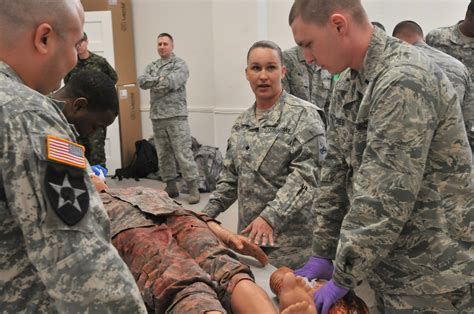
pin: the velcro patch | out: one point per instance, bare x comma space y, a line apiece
66, 152
67, 192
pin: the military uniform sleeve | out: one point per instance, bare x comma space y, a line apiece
177, 77
467, 107
226, 190
78, 266
399, 131
289, 68
331, 202
308, 151
147, 80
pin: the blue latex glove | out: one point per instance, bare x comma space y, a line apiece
327, 295
316, 268
99, 171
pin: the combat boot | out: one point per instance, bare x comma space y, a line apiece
193, 192
172, 189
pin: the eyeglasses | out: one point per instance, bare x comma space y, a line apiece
79, 44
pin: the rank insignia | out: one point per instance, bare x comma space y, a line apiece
66, 152
67, 192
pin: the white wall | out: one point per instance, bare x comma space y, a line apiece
213, 37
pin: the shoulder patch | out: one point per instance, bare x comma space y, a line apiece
66, 152
67, 192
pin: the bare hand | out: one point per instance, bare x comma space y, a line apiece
259, 231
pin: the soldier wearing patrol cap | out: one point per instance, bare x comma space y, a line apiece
56, 251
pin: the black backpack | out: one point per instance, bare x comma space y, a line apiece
144, 162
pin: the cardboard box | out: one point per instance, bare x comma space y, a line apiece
129, 120
122, 28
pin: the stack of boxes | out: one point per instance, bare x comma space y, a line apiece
127, 89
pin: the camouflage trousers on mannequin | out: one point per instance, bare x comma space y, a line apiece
180, 266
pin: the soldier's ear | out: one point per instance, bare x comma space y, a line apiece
283, 71
41, 38
80, 104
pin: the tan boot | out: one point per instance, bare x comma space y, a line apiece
172, 189
194, 195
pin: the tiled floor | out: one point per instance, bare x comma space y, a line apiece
229, 221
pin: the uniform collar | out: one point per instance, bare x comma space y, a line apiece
374, 57
373, 61
455, 35
172, 57
269, 118
8, 71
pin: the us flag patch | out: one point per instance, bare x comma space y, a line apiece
66, 152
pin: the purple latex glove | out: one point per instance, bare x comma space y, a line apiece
327, 295
316, 268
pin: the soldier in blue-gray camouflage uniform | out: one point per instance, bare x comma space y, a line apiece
457, 72
56, 255
166, 79
396, 202
272, 163
457, 40
306, 81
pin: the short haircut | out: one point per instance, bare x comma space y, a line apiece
470, 7
96, 87
379, 25
166, 35
84, 37
17, 16
319, 11
408, 28
266, 44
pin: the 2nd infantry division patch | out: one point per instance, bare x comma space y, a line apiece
65, 180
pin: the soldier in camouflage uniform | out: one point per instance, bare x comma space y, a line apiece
56, 254
272, 163
178, 262
457, 72
166, 79
88, 101
94, 143
306, 81
396, 202
457, 40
